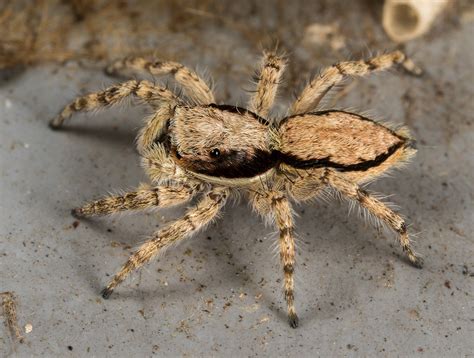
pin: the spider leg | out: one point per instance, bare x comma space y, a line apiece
284, 220
302, 184
271, 70
144, 197
195, 86
155, 125
314, 92
195, 218
275, 205
378, 209
144, 90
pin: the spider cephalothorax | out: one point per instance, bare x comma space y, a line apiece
221, 141
214, 150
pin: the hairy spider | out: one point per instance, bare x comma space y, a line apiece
194, 146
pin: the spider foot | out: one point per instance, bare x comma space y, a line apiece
55, 123
293, 320
411, 68
77, 213
417, 262
106, 292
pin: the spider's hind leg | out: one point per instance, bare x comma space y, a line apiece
314, 92
379, 210
196, 88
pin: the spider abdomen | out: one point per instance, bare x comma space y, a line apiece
340, 140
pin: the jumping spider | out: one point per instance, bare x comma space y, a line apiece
194, 146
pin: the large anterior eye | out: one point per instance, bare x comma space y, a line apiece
215, 153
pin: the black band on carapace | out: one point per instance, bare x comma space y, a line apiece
239, 110
235, 164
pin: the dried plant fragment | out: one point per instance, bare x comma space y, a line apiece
9, 311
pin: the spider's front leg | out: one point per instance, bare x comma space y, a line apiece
145, 197
196, 88
314, 92
195, 218
378, 209
143, 90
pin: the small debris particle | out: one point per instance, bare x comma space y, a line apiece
201, 287
420, 349
75, 224
69, 347
188, 252
120, 244
323, 34
9, 310
447, 284
251, 308
227, 305
465, 270
28, 328
184, 328
414, 314
142, 312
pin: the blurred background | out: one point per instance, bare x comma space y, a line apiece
224, 35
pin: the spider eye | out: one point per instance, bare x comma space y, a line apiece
178, 155
215, 153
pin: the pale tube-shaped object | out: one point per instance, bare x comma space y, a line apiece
404, 20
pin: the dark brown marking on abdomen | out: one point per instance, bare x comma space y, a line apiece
328, 163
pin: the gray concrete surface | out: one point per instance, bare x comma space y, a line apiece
219, 294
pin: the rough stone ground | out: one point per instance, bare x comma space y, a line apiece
219, 294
